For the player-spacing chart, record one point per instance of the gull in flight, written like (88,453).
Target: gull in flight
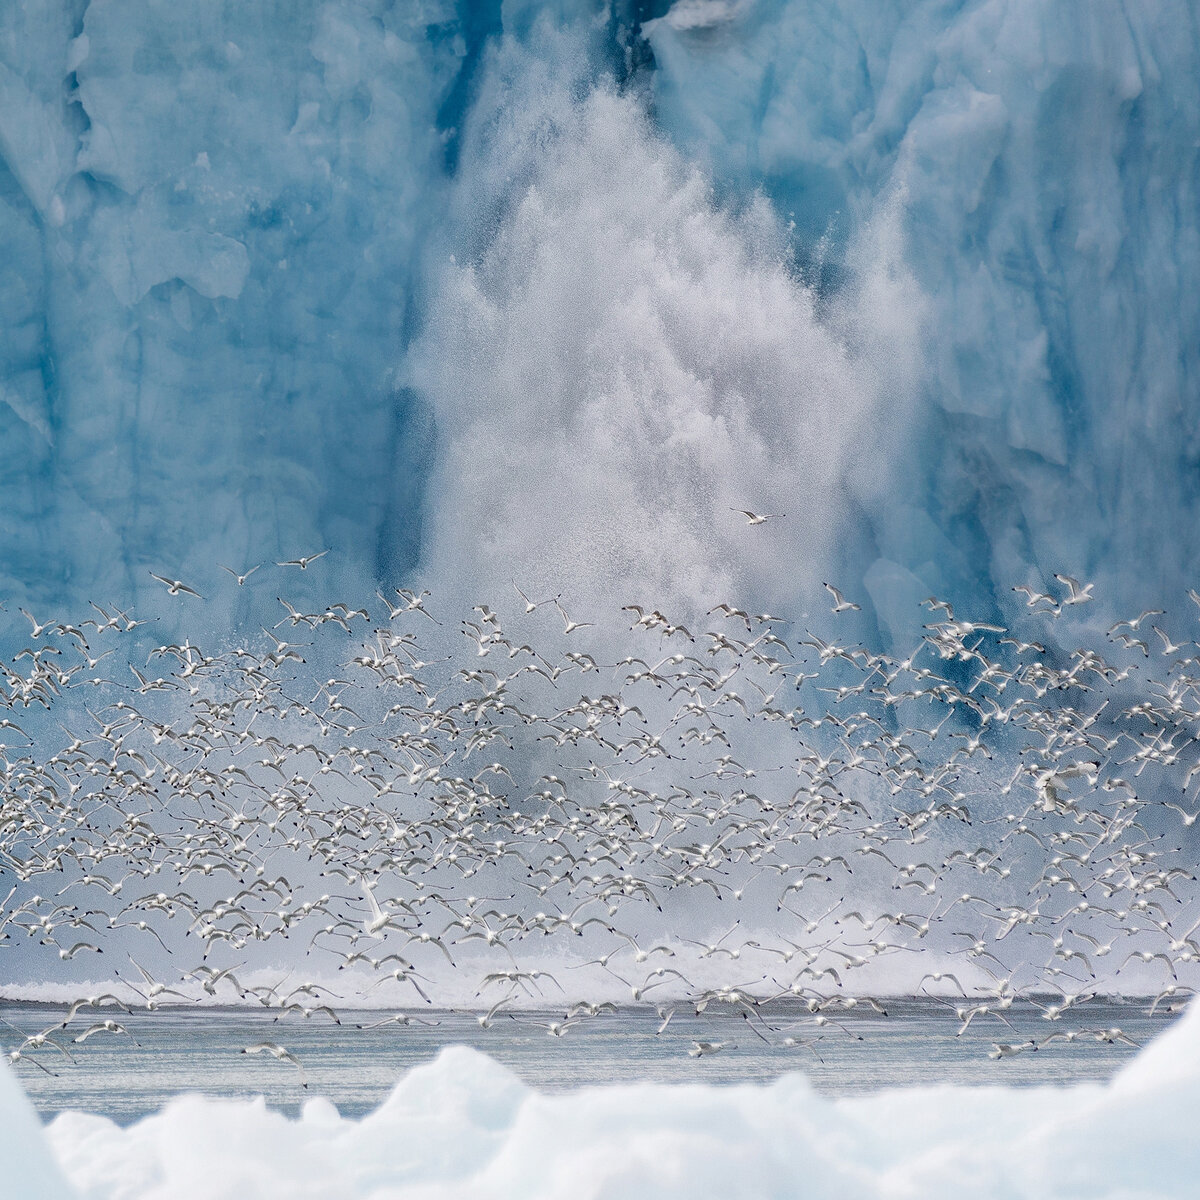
(68,953)
(380,919)
(753,518)
(840,603)
(700,1049)
(532,605)
(569,625)
(241,579)
(176,586)
(404,1019)
(1169,647)
(1009,1049)
(38,629)
(1080,593)
(109,1026)
(1034,598)
(1189,819)
(277,1052)
(303,561)
(1136,621)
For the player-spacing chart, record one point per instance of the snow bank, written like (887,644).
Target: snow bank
(464,1127)
(27,1167)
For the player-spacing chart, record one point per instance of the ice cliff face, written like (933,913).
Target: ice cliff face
(231,323)
(1044,156)
(211,216)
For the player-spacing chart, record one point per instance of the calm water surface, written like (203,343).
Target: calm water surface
(199,1050)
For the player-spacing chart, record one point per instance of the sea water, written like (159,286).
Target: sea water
(199,1049)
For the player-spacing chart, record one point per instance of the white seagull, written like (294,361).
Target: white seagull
(753,518)
(176,586)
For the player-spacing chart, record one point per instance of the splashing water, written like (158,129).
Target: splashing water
(622,363)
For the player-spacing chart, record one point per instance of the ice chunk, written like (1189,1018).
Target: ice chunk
(28,1170)
(624,365)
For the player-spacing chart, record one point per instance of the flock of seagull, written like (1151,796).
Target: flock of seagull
(735,815)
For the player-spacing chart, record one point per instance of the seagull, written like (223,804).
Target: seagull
(398,1019)
(532,605)
(1189,819)
(302,562)
(1136,621)
(279,1053)
(1008,1049)
(38,629)
(700,1049)
(1034,598)
(241,579)
(176,586)
(486,1021)
(753,518)
(1129,642)
(840,603)
(1080,593)
(938,976)
(1169,647)
(570,626)
(379,919)
(69,953)
(109,1026)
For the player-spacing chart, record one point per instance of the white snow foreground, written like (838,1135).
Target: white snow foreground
(463,1126)
(27,1168)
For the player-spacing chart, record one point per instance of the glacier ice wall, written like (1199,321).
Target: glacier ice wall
(1045,158)
(209,219)
(223,227)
